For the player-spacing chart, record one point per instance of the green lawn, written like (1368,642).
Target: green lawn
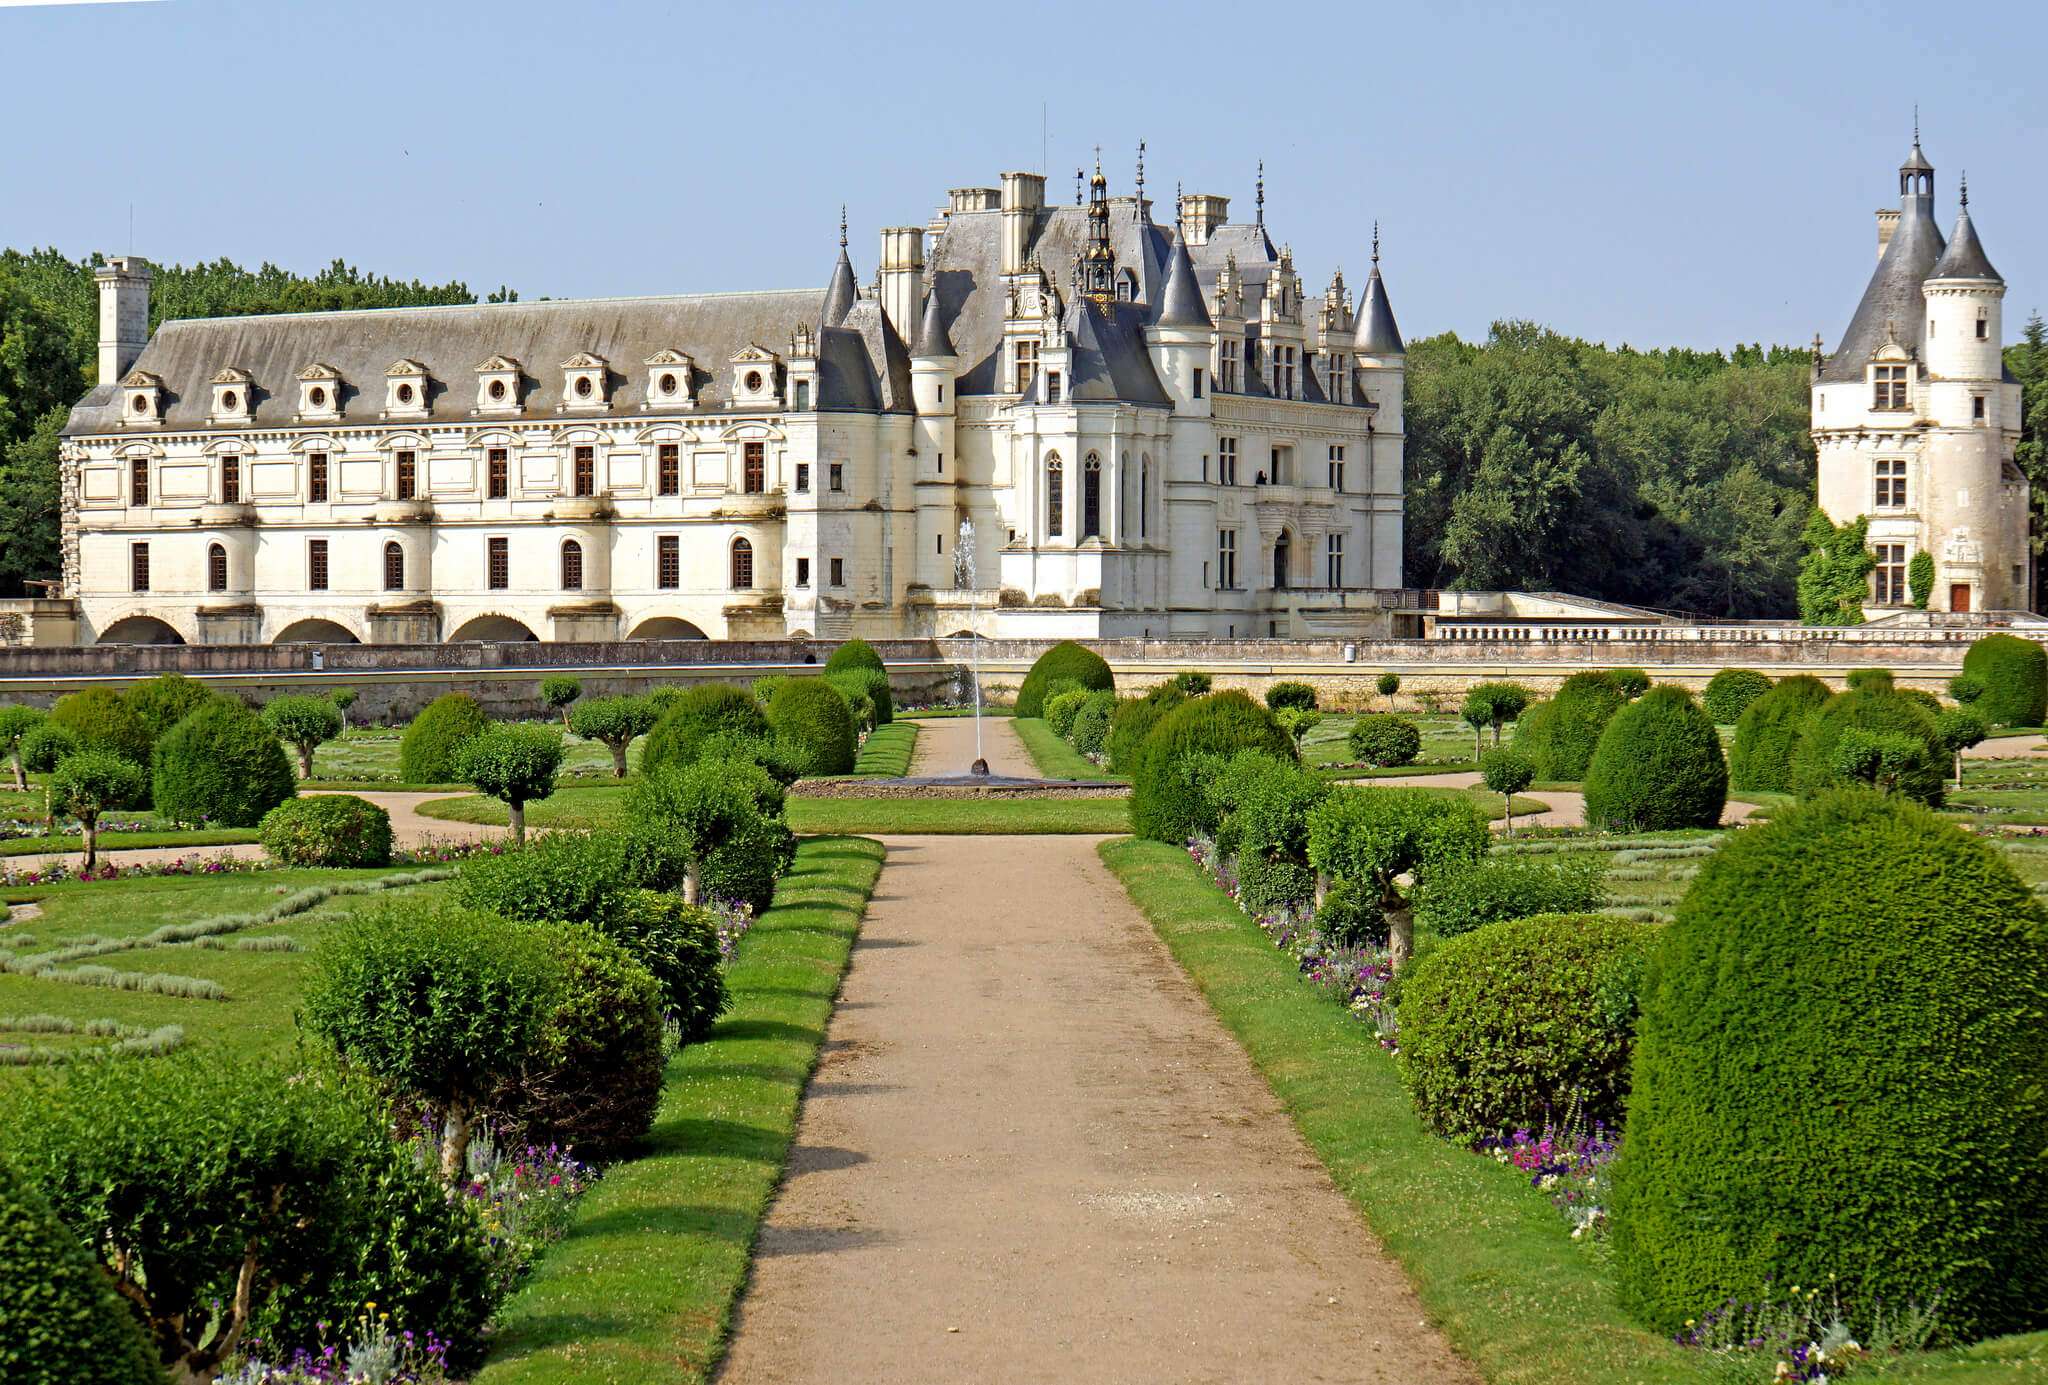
(1491,1260)
(888,750)
(367,758)
(598,808)
(120,841)
(642,1288)
(1446,745)
(1054,757)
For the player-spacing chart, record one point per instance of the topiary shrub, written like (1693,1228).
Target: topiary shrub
(426,752)
(678,943)
(593,1078)
(1351,915)
(1870,680)
(1061,709)
(745,866)
(1658,767)
(615,721)
(162,702)
(1064,660)
(1565,730)
(871,683)
(567,877)
(1168,801)
(304,723)
(1189,683)
(1523,1020)
(1382,740)
(815,722)
(1299,696)
(713,830)
(558,690)
(334,829)
(99,720)
(90,783)
(1133,720)
(1730,692)
(16,722)
(1507,771)
(220,765)
(1966,688)
(45,745)
(1768,731)
(513,764)
(1378,838)
(694,715)
(1841,1077)
(61,1322)
(1923,697)
(1959,729)
(1631,683)
(2014,675)
(855,654)
(1491,889)
(1816,766)
(1090,731)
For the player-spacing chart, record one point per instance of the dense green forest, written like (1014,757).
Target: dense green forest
(1677,479)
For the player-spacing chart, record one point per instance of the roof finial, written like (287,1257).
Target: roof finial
(1141,171)
(1262,192)
(1966,189)
(1098,161)
(1916,122)
(1080,176)
(842,225)
(1375,243)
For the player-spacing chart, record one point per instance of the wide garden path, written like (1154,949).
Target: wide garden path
(1031,1153)
(1565,807)
(945,745)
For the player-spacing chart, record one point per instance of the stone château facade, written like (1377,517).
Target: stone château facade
(1916,418)
(1143,430)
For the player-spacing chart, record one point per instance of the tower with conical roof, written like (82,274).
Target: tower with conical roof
(1915,419)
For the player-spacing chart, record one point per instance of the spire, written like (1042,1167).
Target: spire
(1096,267)
(1377,333)
(1141,170)
(1180,302)
(932,340)
(1964,258)
(841,292)
(1262,192)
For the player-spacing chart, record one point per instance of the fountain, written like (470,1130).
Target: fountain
(963,580)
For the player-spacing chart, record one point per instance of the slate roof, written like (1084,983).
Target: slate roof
(1891,302)
(1378,335)
(1109,360)
(1180,302)
(932,340)
(1965,257)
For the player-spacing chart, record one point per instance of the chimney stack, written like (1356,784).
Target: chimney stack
(1023,196)
(1887,222)
(903,277)
(124,314)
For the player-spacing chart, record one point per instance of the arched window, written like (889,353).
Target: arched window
(572,566)
(1283,553)
(1055,496)
(394,567)
(1144,493)
(216,568)
(1091,498)
(742,565)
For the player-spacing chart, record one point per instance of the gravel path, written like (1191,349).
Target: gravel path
(2007,748)
(945,745)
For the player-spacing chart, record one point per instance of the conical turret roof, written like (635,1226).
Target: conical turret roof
(932,340)
(1180,303)
(1892,307)
(1378,334)
(1965,257)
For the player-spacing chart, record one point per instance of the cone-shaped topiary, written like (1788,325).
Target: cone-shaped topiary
(1841,1069)
(2014,675)
(1560,735)
(1658,767)
(426,753)
(694,716)
(1815,766)
(871,683)
(222,765)
(1169,803)
(60,1321)
(1064,660)
(1730,692)
(852,655)
(1768,732)
(99,720)
(811,716)
(1133,720)
(162,702)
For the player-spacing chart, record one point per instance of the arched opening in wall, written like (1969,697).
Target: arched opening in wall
(394,567)
(315,632)
(666,628)
(1055,497)
(1091,498)
(140,630)
(216,568)
(1144,494)
(742,565)
(572,566)
(494,630)
(1283,557)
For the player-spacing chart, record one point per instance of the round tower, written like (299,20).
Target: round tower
(1965,297)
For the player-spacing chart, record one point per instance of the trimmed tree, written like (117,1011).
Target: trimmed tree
(426,752)
(558,690)
(1383,740)
(92,783)
(855,654)
(1507,771)
(1562,738)
(1767,733)
(162,702)
(1730,692)
(1132,721)
(813,719)
(2014,674)
(1374,838)
(697,810)
(304,723)
(1189,683)
(1658,767)
(685,720)
(100,720)
(1631,682)
(1065,660)
(1289,693)
(1815,766)
(1169,799)
(1841,1077)
(1959,729)
(220,765)
(1388,684)
(343,699)
(513,764)
(1477,713)
(17,721)
(615,721)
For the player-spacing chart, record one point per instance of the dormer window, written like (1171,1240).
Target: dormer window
(497,386)
(319,392)
(1888,387)
(585,381)
(668,380)
(144,395)
(405,390)
(754,378)
(231,390)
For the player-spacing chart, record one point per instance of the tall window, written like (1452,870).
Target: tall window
(1283,466)
(1336,468)
(1226,461)
(1891,485)
(836,474)
(316,565)
(1335,389)
(1055,498)
(668,562)
(498,474)
(138,480)
(1333,561)
(1144,493)
(1052,387)
(1889,387)
(1983,330)
(1889,577)
(742,565)
(1284,361)
(803,478)
(1226,559)
(498,564)
(408,475)
(839,572)
(394,567)
(216,568)
(803,396)
(1091,497)
(1976,408)
(316,477)
(669,460)
(572,566)
(1283,561)
(1226,377)
(803,572)
(755,465)
(1027,364)
(230,479)
(138,567)
(586,471)
(1198,382)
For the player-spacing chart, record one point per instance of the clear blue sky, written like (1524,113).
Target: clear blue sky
(1662,174)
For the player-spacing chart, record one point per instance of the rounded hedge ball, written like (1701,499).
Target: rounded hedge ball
(811,715)
(1167,804)
(1841,1069)
(1065,660)
(1658,767)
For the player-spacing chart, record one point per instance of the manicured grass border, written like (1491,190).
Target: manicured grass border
(643,1286)
(1054,757)
(1034,816)
(1489,1258)
(888,750)
(127,841)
